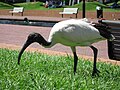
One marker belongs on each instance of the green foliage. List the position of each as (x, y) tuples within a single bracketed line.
[(43, 72)]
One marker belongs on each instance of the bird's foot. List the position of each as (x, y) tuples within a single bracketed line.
[(95, 72), (74, 72)]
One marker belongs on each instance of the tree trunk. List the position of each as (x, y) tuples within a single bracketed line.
[(69, 2), (27, 0), (73, 1), (78, 1)]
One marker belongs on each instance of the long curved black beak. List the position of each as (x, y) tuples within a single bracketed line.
[(33, 37), (27, 43)]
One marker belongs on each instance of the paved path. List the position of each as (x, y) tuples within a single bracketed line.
[(16, 34), (33, 18)]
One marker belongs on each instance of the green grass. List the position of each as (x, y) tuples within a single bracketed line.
[(32, 6), (5, 6), (43, 72), (90, 6)]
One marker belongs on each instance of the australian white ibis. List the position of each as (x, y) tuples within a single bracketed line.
[(72, 33)]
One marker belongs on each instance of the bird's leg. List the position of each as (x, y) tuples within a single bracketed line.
[(75, 61), (75, 58), (95, 70)]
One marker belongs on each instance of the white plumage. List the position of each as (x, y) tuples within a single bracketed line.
[(72, 33)]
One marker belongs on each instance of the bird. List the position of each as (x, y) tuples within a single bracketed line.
[(72, 33)]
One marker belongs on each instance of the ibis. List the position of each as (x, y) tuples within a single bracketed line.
[(72, 33)]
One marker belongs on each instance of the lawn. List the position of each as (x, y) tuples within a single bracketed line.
[(5, 6), (90, 6), (44, 72)]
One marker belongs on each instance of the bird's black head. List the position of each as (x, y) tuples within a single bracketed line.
[(33, 37), (104, 31)]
